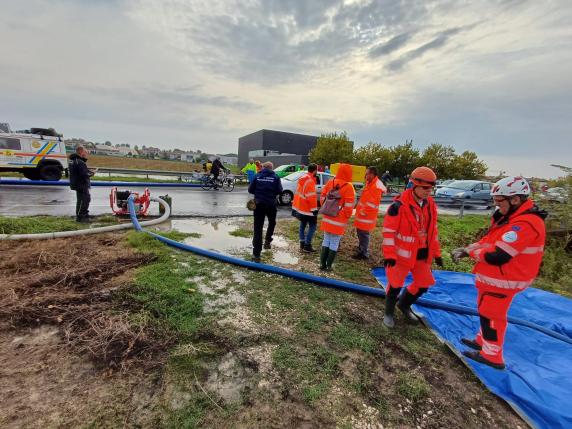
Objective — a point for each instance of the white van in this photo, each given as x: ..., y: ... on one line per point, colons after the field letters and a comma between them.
x: 39, y: 155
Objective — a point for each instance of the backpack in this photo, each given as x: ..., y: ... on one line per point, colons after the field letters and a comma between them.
x: 331, y: 206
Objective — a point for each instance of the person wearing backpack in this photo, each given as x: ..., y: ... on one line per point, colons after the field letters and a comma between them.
x: 337, y: 201
x: 410, y: 244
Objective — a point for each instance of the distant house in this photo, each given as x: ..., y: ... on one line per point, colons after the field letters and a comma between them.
x: 228, y: 159
x: 189, y: 156
x: 101, y: 149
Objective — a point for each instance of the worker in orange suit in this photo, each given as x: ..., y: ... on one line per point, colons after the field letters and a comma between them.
x: 367, y: 211
x: 507, y: 259
x: 410, y: 244
x: 305, y: 207
x: 337, y: 200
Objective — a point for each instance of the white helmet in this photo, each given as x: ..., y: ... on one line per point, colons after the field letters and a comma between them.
x: 510, y: 186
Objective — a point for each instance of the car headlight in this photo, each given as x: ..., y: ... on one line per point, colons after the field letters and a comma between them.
x: 459, y: 194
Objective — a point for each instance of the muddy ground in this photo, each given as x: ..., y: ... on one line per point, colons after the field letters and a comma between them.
x: 75, y: 349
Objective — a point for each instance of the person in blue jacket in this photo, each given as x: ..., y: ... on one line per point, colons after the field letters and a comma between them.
x: 266, y: 186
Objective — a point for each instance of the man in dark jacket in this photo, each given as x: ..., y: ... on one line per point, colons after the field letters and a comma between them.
x: 266, y: 186
x: 216, y: 169
x: 80, y: 182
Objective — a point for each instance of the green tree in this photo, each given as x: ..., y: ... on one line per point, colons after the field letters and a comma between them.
x: 374, y: 154
x: 440, y: 159
x: 405, y: 159
x: 468, y: 166
x: 332, y: 148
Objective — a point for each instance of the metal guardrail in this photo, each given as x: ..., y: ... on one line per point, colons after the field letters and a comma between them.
x: 183, y: 176
x: 460, y: 203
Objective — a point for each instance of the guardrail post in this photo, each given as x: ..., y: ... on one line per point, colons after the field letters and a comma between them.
x: 462, y: 209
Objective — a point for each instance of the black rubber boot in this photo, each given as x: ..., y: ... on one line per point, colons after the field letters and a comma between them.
x: 308, y: 248
x: 302, y: 244
x: 471, y: 343
x: 323, y: 257
x: 330, y: 260
x: 406, y: 301
x: 475, y: 355
x: 390, y: 301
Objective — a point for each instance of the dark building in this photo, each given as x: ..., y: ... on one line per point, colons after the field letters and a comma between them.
x: 276, y: 146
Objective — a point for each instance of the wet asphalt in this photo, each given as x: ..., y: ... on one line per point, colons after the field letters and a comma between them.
x: 187, y: 202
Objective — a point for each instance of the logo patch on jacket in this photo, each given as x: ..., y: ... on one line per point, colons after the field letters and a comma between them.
x: 510, y: 237
x: 515, y: 228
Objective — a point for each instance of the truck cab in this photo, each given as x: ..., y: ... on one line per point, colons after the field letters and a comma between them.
x: 39, y: 154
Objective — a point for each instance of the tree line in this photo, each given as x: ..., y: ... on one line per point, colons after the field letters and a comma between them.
x: 399, y: 160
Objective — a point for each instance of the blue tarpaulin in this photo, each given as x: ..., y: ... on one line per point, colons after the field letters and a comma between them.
x: 537, y: 381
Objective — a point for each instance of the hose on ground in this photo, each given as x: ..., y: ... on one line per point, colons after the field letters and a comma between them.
x: 88, y: 231
x: 332, y: 283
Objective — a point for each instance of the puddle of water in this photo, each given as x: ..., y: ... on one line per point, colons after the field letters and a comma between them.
x: 283, y: 257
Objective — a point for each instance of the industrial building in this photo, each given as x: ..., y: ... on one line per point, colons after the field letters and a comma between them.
x: 276, y: 146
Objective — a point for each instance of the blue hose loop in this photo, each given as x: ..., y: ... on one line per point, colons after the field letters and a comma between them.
x: 99, y: 183
x: 332, y: 283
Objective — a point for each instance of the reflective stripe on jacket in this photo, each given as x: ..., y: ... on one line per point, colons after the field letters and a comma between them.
x: 401, y: 238
x: 522, y: 236
x: 367, y: 208
x: 305, y: 199
x: 337, y: 224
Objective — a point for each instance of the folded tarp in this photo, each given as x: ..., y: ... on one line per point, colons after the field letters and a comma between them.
x: 537, y: 381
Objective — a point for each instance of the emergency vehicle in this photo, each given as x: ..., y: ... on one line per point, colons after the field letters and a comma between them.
x: 39, y: 154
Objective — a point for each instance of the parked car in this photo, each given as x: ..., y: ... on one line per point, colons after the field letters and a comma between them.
x: 559, y: 195
x: 468, y: 189
x: 286, y: 169
x: 290, y: 182
x: 443, y: 183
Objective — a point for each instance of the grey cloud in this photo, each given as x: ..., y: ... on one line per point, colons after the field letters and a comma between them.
x: 182, y: 95
x: 392, y: 45
x: 438, y: 42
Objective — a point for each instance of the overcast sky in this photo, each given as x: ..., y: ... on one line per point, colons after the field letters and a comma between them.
x: 490, y: 76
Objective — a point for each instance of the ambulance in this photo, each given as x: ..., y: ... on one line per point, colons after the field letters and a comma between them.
x: 39, y: 154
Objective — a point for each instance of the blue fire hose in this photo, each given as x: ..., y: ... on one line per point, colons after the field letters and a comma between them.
x: 331, y: 283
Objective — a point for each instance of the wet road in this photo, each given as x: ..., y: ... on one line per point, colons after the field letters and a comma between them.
x: 60, y: 201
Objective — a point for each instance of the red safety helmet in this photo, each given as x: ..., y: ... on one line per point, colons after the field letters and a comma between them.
x: 423, y: 176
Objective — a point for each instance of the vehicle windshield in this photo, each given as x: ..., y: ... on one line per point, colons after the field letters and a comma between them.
x: 462, y: 184
x: 294, y: 176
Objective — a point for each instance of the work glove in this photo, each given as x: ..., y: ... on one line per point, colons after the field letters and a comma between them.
x: 389, y: 262
x: 315, y: 213
x: 459, y: 253
x: 439, y: 261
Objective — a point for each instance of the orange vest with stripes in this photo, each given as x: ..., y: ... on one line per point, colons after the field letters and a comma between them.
x: 522, y: 237
x: 305, y: 199
x: 404, y: 233
x: 337, y: 225
x: 367, y: 208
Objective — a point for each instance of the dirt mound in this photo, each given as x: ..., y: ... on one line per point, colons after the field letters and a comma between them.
x: 75, y: 284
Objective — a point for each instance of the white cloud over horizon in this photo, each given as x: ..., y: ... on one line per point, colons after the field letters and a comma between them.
x: 488, y: 76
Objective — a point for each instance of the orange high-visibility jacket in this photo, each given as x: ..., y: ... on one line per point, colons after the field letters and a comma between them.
x: 337, y: 225
x: 522, y: 236
x: 305, y: 199
x: 401, y: 230
x: 367, y: 208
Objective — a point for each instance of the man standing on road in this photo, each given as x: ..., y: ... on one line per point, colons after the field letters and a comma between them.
x: 410, y: 244
x: 80, y: 182
x: 305, y: 207
x: 507, y: 259
x: 250, y: 170
x: 367, y: 210
x: 266, y: 186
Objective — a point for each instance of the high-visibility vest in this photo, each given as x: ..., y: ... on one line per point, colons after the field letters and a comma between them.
x: 337, y: 225
x: 367, y: 208
x: 402, y: 230
x: 305, y: 199
x: 522, y: 237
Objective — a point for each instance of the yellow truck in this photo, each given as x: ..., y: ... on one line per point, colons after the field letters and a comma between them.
x: 358, y: 172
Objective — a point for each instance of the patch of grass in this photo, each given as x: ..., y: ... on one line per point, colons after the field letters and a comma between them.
x: 412, y: 386
x: 346, y: 336
x: 38, y: 224
x: 190, y: 416
x: 241, y: 232
x: 133, y: 179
